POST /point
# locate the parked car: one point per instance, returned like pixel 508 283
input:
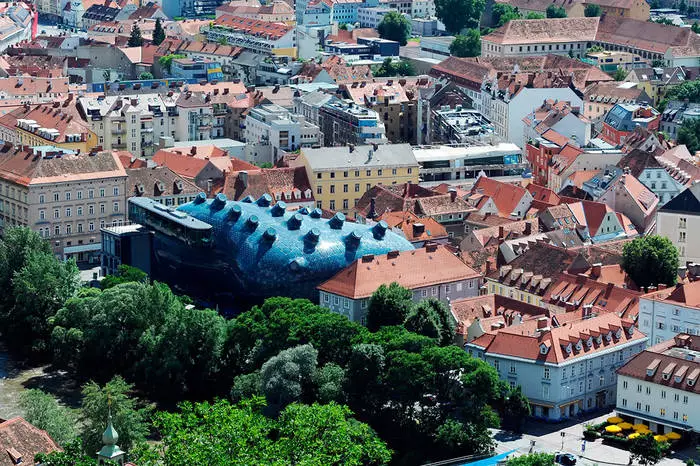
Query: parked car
pixel 565 459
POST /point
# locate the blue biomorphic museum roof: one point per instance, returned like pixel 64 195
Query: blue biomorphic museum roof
pixel 265 250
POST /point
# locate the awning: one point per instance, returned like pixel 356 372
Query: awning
pixel 537 403
pixel 82 248
pixel 563 405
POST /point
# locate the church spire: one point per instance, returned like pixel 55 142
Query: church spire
pixel 110 451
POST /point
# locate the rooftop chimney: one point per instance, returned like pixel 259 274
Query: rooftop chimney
pixel 541 323
pixel 682 271
pixel 528 229
pixel 243 176
pixel 418 229
pixel 193 150
pixel 453 194
pixel 595 270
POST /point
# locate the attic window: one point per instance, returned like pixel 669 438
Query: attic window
pixel 608 336
pixel 567 348
pixel 544 349
pixel 618 333
pixel 589 342
pixel 630 330
pixel 691 382
pixel 579 346
pixel 599 339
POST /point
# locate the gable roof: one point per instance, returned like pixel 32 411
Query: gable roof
pixel 391 198
pixel 17 436
pixel 419 268
pixel 413 227
pixel 687 202
pixel 277 182
pixel 158 181
pixel 505 196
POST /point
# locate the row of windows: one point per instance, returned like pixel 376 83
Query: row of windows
pixel 346 173
pixel 662 411
pixel 331 204
pixel 79 211
pixel 68 229
pixel 68 195
pixel 647 390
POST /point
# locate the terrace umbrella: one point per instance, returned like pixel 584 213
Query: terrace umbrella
pixel 613 429
pixel 640 427
pixel 625 425
pixel 633 435
pixel 673 436
pixel 615 420
pixel 660 438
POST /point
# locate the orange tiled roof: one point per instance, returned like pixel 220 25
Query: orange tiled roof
pixel 411 269
pixel 254 27
pixel 413 227
pixel 19 437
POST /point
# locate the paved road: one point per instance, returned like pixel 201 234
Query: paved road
pixel 547 438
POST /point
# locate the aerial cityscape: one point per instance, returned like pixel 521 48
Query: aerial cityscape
pixel 350 232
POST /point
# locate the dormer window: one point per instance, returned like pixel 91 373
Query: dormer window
pixel 589 342
pixel 579 346
pixel 691 382
pixel 544 349
pixel 608 336
pixel 567 348
pixel 630 330
pixel 618 333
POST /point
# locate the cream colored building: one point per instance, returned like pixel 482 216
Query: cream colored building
pixel 339 176
pixel 679 221
pixel 64 196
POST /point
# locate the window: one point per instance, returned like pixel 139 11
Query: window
pixel 624 385
pixel 56 213
pixel 409 170
pixel 447 288
pixel 332 174
pixel 102 192
pixel 319 176
pixel 357 187
pixel 55 197
pixel 68 196
pixel 648 391
pixel 331 205
pixel 102 208
pixel 91 226
pixel 513 369
pixel 393 171
pixel 57 230
pixel 357 173
pixel 326 297
pixel 368 187
pixel 345 174
pixel 345 188
pixel 332 188
pixel 91 209
pixel 662 411
pixel 79 211
pixel 69 229
pixel 546 373
pixel 319 189
pixel 676 397
pixel 639 388
pixel 496 364
pixel 68 212
pixel 369 172
pixel 379 172
pixel 685 399
pixel 639 406
pixel 663 394
pixel 115 191
pixel 647 408
pixel 435 291
pixel 80 227
pixel 685 418
pixel 41 198
pixel 80 194
pixel 346 303
pixel 345 204
pixel 545 391
pixel 115 206
pixel 91 193
pixel 424 293
pixel 681 236
pixel 682 221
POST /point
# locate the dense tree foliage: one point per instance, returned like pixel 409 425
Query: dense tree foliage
pixel 647 451
pixel 241 434
pixel 42 411
pixel 158 33
pixel 503 12
pixel 651 260
pixel 389 68
pixel 389 305
pixel 128 418
pixel 686 90
pixel 467 45
pixel 395 26
pixel 35 285
pixel 689 134
pixel 432 318
pixel 554 11
pixel 620 74
pixel 125 274
pixel 533 459
pixel 592 10
pixel 458 15
pixel 72 455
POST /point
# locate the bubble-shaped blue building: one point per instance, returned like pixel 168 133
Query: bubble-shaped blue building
pixel 254 248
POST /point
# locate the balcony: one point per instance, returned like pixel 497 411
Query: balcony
pixel 118 130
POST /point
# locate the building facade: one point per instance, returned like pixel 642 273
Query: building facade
pixel 678 219
pixel 665 313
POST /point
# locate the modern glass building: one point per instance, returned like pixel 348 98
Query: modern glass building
pixel 214 248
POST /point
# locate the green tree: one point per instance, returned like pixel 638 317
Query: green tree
pixel 432 318
pixel 516 408
pixel 695 27
pixel 686 90
pixel 246 386
pixel 389 305
pixel 240 434
pixel 464 438
pixel 166 61
pixel 533 459
pixel 467 45
pixel 135 38
pixel 158 33
pixel 457 15
pixel 129 420
pixel 389 68
pixel 43 411
pixel 554 11
pixel 534 15
pixel 146 75
pixel 592 10
pixel 503 12
pixel 329 382
pixel 289 375
pixel 620 74
pixel 405 68
pixel 595 49
pixel 125 273
pixel 651 260
pixel 689 134
pixel 72 455
pixel 647 451
pixel 365 371
pixel 395 26
pixel 40 288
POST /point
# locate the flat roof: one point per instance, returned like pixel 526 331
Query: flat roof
pixel 435 153
pixel 175 216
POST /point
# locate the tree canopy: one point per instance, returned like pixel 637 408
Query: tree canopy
pixel 647 451
pixel 503 12
pixel 689 134
pixel 592 10
pixel 457 15
pixel 554 11
pixel 395 26
pixel 533 459
pixel 43 411
pixel 651 260
pixel 158 33
pixel 467 45
pixel 620 74
pixel 389 68
pixel 389 305
pixel 686 90
pixel 135 38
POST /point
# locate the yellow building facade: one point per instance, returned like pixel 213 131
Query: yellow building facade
pixel 85 143
pixel 496 287
pixel 339 180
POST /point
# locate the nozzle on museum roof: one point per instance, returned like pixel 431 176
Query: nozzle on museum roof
pixel 265 200
pixel 379 229
pixel 337 221
pixel 270 235
pixel 294 223
pixel 219 201
pixel 313 235
pixel 201 197
pixel 298 263
pixel 316 213
pixel 235 212
pixel 248 199
pixel 252 222
pixel 353 239
pixel 278 209
pixel 303 211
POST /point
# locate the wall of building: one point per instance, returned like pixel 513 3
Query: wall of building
pixel 663 320
pixel 679 229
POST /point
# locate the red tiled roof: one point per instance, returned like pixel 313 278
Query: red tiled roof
pixel 254 27
pixel 283 183
pixel 17 436
pixel 506 196
pixel 413 227
pixel 410 269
